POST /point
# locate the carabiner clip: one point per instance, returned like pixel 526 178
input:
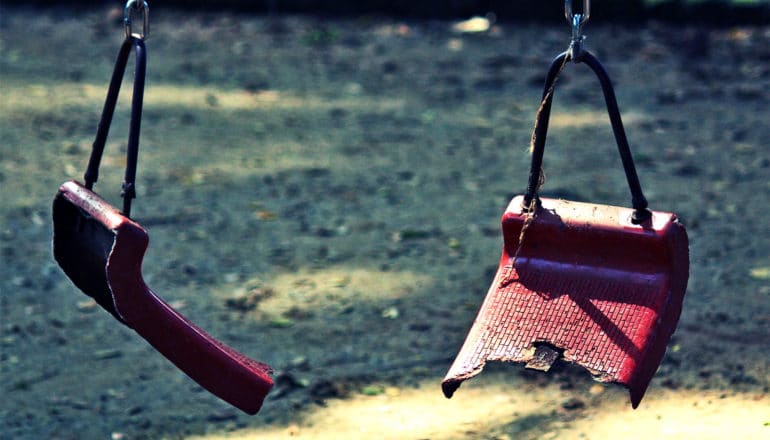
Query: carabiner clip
pixel 576 22
pixel 131 6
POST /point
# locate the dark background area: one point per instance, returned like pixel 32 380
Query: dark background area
pixel 720 12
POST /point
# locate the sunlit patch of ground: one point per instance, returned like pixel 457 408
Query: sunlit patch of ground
pixel 420 413
pixel 297 292
pixel 25 96
pixel 251 144
pixel 678 415
pixel 490 408
pixel 582 118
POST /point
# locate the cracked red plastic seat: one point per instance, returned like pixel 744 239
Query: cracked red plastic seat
pixel 101 250
pixel 599 286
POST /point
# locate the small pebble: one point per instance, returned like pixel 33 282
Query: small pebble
pixel 390 313
pixel 109 353
pixel 281 322
pixel 392 392
pixel 87 306
pixel 178 304
pixel 595 389
pixel 573 404
pixel 372 390
pixel 222 416
pixel 299 362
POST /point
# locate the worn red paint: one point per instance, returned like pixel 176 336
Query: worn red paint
pixel 101 251
pixel 587 281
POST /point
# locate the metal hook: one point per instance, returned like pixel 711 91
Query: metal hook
pixel 131 6
pixel 582 18
pixel 576 22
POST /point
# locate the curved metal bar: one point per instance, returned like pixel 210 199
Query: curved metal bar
pixel 103 129
pixel 639 202
pixel 541 128
pixel 97 150
pixel 129 183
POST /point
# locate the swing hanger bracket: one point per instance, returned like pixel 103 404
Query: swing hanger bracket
pixel 576 22
pixel 136 7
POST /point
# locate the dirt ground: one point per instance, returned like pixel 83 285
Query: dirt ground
pixel 325 195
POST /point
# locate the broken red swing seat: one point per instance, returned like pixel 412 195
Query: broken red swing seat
pixel 595 285
pixel 101 250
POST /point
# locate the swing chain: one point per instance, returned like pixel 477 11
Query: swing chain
pixel 136 6
pixel 577 21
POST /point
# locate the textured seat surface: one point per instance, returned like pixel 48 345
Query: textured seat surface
pixel 589 284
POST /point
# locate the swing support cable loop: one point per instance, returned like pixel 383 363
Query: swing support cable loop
pixel 134 6
pixel 576 22
pixel 97 150
pixel 577 54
